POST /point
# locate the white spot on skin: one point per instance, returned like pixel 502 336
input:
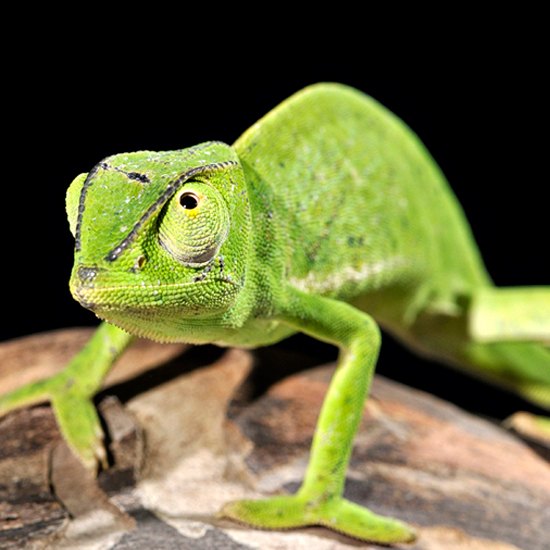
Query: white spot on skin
pixel 319 282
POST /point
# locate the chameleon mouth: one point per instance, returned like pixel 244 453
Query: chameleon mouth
pixel 189 298
pixel 116 298
pixel 100 290
pixel 92 306
pixel 92 298
pixel 111 294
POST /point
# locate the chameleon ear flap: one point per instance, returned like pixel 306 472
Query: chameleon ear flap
pixel 72 199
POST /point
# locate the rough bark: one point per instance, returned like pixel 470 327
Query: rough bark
pixel 186 440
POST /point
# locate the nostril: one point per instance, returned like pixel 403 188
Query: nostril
pixel 140 262
pixel 87 274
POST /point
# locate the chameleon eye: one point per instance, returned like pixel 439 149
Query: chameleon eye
pixel 194 225
pixel 189 200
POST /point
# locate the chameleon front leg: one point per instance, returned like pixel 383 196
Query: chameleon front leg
pixel 71 391
pixel 319 500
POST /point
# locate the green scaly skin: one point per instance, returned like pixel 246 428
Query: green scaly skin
pixel 327 217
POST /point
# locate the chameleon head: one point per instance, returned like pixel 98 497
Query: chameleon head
pixel 161 238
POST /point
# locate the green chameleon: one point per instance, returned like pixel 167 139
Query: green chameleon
pixel 327 217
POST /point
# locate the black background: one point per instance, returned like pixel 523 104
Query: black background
pixel 480 110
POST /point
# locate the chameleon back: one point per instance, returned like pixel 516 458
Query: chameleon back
pixel 356 202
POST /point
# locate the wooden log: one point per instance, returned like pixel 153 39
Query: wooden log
pixel 177 456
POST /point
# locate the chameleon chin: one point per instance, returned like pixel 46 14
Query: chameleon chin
pixel 327 217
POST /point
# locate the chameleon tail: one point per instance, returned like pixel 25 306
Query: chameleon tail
pixel 521 367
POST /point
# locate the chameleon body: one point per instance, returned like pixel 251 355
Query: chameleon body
pixel 328 217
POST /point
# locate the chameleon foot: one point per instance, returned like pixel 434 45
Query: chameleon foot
pixel 75 413
pixel 338 514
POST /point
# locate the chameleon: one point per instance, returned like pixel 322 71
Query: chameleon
pixel 327 217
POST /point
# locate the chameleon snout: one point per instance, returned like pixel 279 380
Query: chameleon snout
pixel 82 284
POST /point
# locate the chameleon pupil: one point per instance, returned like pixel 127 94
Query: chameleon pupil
pixel 189 201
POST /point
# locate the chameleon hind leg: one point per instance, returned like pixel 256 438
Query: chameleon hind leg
pixel 319 501
pixel 511 314
pixel 512 321
pixel 71 391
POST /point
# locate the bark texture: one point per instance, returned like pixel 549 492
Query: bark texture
pixel 184 437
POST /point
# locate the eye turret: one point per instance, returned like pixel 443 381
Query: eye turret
pixel 194 224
